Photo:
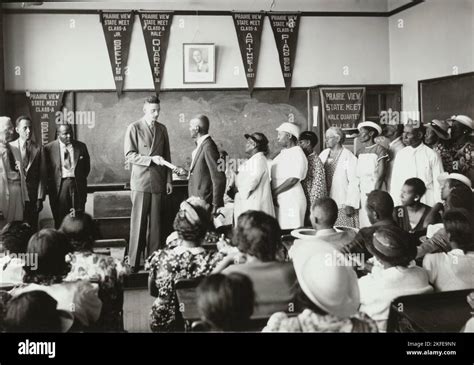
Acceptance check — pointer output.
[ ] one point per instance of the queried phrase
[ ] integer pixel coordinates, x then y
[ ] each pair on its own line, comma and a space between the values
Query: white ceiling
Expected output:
227, 5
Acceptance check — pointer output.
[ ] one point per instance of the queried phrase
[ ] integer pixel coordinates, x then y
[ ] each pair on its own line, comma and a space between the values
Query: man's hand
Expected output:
158, 160
169, 188
350, 211
39, 205
180, 171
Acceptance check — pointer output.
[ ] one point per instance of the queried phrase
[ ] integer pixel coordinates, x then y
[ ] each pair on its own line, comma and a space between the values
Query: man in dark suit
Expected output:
146, 146
32, 156
67, 166
206, 177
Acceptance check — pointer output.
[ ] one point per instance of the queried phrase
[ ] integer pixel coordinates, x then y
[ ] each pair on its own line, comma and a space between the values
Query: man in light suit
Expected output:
13, 192
67, 167
206, 177
33, 161
146, 146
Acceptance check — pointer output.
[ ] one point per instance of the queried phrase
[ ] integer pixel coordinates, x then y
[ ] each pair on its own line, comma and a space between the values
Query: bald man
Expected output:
13, 191
206, 177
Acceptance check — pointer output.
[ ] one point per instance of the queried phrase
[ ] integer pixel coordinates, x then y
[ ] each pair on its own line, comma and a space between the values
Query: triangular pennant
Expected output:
285, 30
156, 30
46, 113
249, 33
118, 34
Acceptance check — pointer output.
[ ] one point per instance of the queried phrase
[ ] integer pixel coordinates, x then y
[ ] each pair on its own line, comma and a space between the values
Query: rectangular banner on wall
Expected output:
249, 33
156, 30
44, 109
342, 106
285, 30
117, 28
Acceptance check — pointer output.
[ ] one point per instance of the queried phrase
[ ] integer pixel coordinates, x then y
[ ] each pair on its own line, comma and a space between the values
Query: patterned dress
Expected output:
458, 158
168, 266
314, 185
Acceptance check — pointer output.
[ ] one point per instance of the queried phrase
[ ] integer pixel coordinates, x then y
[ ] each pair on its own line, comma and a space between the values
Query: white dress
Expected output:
253, 184
290, 163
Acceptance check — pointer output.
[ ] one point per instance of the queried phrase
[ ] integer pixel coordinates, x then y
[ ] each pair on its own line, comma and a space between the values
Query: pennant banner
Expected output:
118, 33
249, 32
45, 110
285, 29
156, 31
343, 106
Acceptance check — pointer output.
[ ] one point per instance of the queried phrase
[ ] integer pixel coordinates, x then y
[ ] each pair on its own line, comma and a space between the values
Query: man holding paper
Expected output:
146, 150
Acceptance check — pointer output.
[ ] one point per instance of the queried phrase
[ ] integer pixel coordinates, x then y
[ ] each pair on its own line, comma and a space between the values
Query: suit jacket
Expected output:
205, 179
35, 172
52, 155
139, 147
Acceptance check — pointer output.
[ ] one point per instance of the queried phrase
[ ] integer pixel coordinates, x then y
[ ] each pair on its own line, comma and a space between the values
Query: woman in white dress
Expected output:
253, 180
341, 179
288, 169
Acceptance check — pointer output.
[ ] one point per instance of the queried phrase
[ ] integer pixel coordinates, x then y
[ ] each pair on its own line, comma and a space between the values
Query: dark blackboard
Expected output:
232, 114
445, 96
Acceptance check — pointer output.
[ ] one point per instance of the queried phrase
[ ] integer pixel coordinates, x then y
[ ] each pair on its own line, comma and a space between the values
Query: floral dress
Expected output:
166, 268
109, 274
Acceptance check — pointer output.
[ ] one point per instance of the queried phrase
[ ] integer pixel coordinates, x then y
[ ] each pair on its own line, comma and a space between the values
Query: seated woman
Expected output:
454, 270
46, 269
411, 215
225, 303
14, 238
36, 311
107, 271
186, 261
327, 299
394, 274
258, 236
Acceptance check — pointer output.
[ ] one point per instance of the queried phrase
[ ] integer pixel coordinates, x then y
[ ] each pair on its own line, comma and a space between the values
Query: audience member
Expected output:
454, 270
341, 178
394, 274
462, 149
225, 303
328, 297
186, 261
437, 137
257, 236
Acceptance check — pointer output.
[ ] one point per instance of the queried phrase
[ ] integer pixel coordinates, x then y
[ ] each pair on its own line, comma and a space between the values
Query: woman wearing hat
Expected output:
437, 137
462, 149
328, 296
288, 170
371, 165
186, 261
253, 180
394, 273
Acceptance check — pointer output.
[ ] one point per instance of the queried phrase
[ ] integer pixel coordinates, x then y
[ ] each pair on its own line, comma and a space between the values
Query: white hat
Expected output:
329, 283
290, 128
463, 119
370, 125
455, 176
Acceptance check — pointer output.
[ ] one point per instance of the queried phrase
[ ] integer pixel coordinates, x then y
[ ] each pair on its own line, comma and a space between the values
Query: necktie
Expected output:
67, 159
26, 155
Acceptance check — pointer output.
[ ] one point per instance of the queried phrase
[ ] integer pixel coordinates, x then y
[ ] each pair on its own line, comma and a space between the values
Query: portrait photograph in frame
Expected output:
199, 63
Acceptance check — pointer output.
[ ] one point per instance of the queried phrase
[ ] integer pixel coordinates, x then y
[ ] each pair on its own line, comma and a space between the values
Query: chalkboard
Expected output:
443, 97
232, 113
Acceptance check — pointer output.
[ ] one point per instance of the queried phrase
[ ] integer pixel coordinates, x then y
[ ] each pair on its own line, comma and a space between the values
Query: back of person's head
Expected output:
461, 197
14, 237
80, 230
193, 220
309, 136
458, 225
257, 234
379, 205
35, 311
226, 302
50, 248
392, 246
324, 212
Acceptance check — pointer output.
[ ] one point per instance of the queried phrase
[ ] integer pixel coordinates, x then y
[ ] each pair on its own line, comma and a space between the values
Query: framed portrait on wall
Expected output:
199, 63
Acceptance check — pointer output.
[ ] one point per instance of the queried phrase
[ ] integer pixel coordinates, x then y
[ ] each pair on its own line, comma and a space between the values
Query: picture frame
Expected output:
199, 60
